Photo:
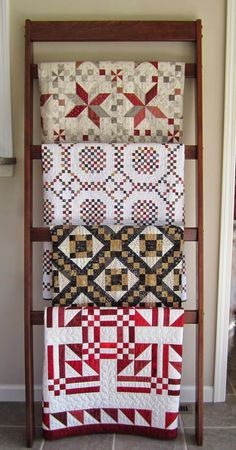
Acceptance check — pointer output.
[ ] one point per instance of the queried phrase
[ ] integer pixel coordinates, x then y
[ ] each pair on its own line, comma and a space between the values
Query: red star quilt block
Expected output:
104, 101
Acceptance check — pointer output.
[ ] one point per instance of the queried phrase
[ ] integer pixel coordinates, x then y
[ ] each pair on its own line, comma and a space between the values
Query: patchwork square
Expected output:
143, 268
112, 101
81, 246
150, 245
112, 370
116, 279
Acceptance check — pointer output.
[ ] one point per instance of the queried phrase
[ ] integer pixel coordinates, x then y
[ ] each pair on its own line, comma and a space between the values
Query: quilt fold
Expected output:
105, 101
112, 370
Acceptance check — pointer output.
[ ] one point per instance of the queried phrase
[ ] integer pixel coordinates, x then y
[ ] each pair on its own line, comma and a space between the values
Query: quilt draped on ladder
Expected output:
117, 266
112, 370
105, 101
113, 184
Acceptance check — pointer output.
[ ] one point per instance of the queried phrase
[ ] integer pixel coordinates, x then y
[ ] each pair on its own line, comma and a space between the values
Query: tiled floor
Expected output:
219, 430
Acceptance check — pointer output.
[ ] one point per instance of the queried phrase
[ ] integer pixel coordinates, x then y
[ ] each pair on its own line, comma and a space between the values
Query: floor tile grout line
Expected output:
214, 427
16, 426
42, 445
183, 432
113, 442
232, 386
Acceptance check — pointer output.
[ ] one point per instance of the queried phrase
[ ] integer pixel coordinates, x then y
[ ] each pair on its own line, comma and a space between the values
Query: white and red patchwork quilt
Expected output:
125, 184
111, 101
112, 370
113, 184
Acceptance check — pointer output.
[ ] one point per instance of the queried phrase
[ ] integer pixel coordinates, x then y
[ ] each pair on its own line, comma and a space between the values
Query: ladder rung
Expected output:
190, 317
42, 234
190, 70
190, 152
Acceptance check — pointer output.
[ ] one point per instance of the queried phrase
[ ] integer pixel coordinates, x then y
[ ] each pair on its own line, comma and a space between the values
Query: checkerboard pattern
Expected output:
113, 370
106, 101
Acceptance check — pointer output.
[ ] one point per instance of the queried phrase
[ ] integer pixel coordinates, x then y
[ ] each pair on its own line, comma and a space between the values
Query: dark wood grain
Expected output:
113, 31
200, 349
28, 260
190, 317
42, 234
190, 152
190, 71
119, 31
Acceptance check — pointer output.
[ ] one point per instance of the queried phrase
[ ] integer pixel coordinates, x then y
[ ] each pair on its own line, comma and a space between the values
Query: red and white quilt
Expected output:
112, 370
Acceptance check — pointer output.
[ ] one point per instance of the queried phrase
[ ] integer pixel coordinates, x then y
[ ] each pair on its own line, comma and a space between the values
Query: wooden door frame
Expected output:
227, 207
6, 146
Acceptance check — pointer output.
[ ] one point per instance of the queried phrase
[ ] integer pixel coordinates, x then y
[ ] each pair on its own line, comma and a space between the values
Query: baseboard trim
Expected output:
16, 393
188, 394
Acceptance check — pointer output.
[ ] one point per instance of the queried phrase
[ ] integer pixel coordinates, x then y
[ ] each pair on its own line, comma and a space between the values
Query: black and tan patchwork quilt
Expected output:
117, 266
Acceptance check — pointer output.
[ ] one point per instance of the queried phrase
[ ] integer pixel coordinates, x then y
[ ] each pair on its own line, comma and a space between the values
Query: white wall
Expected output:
212, 14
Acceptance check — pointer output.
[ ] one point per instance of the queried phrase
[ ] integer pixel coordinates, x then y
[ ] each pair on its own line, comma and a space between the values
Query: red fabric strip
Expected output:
50, 362
49, 317
113, 428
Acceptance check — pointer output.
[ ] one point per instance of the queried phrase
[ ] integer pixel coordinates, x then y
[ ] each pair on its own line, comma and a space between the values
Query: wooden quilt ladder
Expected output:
185, 31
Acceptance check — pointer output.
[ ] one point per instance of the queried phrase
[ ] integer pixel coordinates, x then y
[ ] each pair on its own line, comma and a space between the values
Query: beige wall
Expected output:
212, 14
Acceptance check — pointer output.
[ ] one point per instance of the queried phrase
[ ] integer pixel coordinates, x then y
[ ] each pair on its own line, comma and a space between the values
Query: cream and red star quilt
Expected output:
112, 370
111, 101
